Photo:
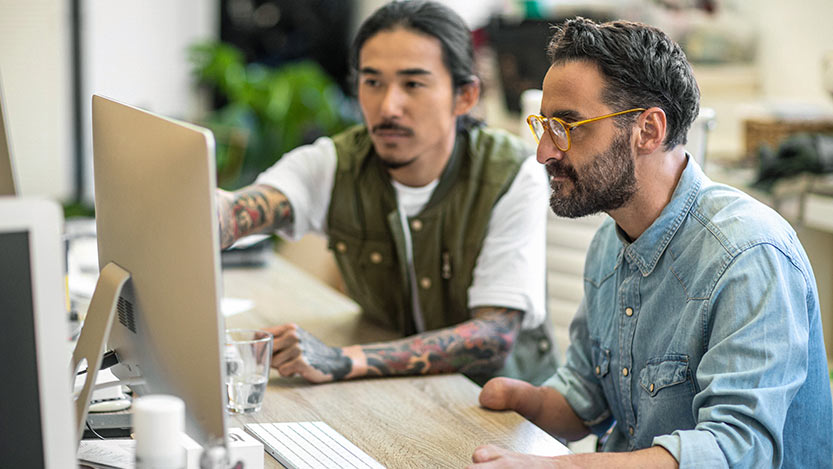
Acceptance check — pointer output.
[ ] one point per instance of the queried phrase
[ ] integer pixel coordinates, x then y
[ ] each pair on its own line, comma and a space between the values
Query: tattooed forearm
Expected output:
253, 209
328, 360
476, 346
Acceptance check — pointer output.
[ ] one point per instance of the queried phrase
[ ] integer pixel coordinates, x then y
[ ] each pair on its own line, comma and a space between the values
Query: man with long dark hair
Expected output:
698, 342
434, 219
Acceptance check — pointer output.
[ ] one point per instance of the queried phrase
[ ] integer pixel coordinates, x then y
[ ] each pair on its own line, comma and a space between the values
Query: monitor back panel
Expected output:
156, 218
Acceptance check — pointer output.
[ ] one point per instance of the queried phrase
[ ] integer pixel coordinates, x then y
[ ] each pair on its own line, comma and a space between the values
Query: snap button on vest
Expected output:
425, 283
375, 257
416, 225
543, 345
341, 247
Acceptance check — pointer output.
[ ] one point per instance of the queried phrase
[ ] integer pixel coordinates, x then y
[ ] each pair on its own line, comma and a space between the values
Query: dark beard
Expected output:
394, 164
390, 125
606, 183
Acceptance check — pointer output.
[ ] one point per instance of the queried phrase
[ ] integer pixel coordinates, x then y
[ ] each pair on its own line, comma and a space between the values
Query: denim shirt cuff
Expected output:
693, 449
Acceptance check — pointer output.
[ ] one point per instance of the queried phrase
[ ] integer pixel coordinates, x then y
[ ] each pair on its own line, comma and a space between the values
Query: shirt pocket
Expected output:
668, 376
664, 402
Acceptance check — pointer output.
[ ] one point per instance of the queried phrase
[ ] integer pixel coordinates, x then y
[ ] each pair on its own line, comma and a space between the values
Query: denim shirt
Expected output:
703, 336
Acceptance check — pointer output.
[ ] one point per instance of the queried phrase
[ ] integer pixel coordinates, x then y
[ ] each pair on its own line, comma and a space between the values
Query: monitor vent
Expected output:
125, 309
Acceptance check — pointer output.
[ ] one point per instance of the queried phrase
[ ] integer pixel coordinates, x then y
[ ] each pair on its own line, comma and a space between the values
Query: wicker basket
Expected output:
772, 132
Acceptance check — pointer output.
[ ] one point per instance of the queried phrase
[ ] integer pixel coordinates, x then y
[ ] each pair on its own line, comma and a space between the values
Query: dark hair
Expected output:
430, 18
641, 65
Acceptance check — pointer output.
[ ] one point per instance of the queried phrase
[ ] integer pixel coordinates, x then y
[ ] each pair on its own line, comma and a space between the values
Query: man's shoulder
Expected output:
737, 221
498, 145
352, 145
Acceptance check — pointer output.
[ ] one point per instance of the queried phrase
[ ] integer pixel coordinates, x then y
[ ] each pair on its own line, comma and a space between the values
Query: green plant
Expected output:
268, 111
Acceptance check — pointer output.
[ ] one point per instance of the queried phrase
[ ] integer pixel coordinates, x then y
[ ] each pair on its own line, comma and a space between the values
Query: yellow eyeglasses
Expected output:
560, 130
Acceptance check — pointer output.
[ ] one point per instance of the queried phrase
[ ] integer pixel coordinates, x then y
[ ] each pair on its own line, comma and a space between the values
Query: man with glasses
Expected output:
698, 342
435, 221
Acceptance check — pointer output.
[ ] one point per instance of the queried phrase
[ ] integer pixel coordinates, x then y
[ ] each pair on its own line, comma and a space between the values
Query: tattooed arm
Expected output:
250, 210
477, 346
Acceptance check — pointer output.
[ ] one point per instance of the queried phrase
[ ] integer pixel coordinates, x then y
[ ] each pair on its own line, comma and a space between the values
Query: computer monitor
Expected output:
156, 223
35, 399
8, 186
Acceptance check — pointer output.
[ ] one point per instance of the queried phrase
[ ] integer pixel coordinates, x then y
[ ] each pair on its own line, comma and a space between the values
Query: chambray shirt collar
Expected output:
646, 250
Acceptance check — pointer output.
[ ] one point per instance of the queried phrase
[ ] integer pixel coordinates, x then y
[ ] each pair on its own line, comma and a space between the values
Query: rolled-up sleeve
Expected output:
576, 381
756, 361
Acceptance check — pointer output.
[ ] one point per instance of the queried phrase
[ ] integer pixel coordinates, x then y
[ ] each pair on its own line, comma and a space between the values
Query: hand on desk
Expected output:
297, 352
493, 457
547, 408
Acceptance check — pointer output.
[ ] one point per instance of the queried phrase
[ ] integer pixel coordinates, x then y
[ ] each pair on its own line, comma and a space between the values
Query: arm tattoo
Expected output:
477, 346
254, 209
326, 359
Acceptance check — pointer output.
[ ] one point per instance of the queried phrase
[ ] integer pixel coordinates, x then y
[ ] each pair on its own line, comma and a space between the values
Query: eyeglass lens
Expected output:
557, 129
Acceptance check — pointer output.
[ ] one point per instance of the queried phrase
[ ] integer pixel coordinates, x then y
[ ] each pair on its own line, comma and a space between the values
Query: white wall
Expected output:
35, 76
132, 51
136, 52
793, 37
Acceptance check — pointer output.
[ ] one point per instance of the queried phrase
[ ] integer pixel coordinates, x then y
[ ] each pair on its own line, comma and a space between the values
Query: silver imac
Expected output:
158, 295
8, 185
38, 429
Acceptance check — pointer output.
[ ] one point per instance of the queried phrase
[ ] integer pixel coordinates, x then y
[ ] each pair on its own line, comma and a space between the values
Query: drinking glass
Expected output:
247, 355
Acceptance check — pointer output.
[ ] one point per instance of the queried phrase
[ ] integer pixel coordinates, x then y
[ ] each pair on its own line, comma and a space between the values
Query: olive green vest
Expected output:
366, 236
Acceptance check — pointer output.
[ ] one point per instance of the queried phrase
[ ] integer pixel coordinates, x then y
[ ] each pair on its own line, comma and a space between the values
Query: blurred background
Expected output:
242, 66
268, 75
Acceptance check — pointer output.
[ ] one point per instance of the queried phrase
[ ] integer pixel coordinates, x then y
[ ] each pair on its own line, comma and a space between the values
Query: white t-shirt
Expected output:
511, 268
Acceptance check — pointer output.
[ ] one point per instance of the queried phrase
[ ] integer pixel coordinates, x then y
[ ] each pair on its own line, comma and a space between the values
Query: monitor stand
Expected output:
94, 335
93, 341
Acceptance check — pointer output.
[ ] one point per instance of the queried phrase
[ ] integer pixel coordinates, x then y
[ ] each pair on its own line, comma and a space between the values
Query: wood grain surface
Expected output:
408, 422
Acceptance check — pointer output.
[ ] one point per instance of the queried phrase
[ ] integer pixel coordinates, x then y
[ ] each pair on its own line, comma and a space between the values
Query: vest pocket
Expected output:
370, 273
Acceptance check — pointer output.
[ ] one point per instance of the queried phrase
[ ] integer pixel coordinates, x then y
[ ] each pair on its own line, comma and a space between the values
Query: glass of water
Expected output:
247, 354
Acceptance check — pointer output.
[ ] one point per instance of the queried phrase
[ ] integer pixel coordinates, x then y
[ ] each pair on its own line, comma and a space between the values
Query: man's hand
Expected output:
542, 405
493, 457
296, 352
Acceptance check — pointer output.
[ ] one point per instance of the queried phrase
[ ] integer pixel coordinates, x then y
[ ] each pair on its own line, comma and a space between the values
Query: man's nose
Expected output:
392, 102
547, 150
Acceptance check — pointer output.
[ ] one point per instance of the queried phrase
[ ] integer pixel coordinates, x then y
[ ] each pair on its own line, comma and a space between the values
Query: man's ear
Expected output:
466, 97
651, 129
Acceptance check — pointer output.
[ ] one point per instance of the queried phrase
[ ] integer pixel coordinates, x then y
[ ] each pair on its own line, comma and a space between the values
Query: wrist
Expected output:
358, 361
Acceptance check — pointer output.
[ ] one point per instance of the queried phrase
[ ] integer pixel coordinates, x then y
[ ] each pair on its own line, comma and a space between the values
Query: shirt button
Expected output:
416, 224
651, 387
375, 258
630, 430
598, 370
341, 247
625, 371
425, 283
629, 311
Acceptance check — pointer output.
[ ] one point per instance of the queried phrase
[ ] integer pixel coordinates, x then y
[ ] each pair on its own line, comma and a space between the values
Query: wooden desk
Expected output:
409, 422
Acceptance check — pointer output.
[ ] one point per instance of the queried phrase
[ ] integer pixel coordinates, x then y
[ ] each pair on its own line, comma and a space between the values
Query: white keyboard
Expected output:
313, 445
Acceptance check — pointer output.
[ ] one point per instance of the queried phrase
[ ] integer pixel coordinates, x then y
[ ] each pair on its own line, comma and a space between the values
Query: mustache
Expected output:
559, 168
391, 125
